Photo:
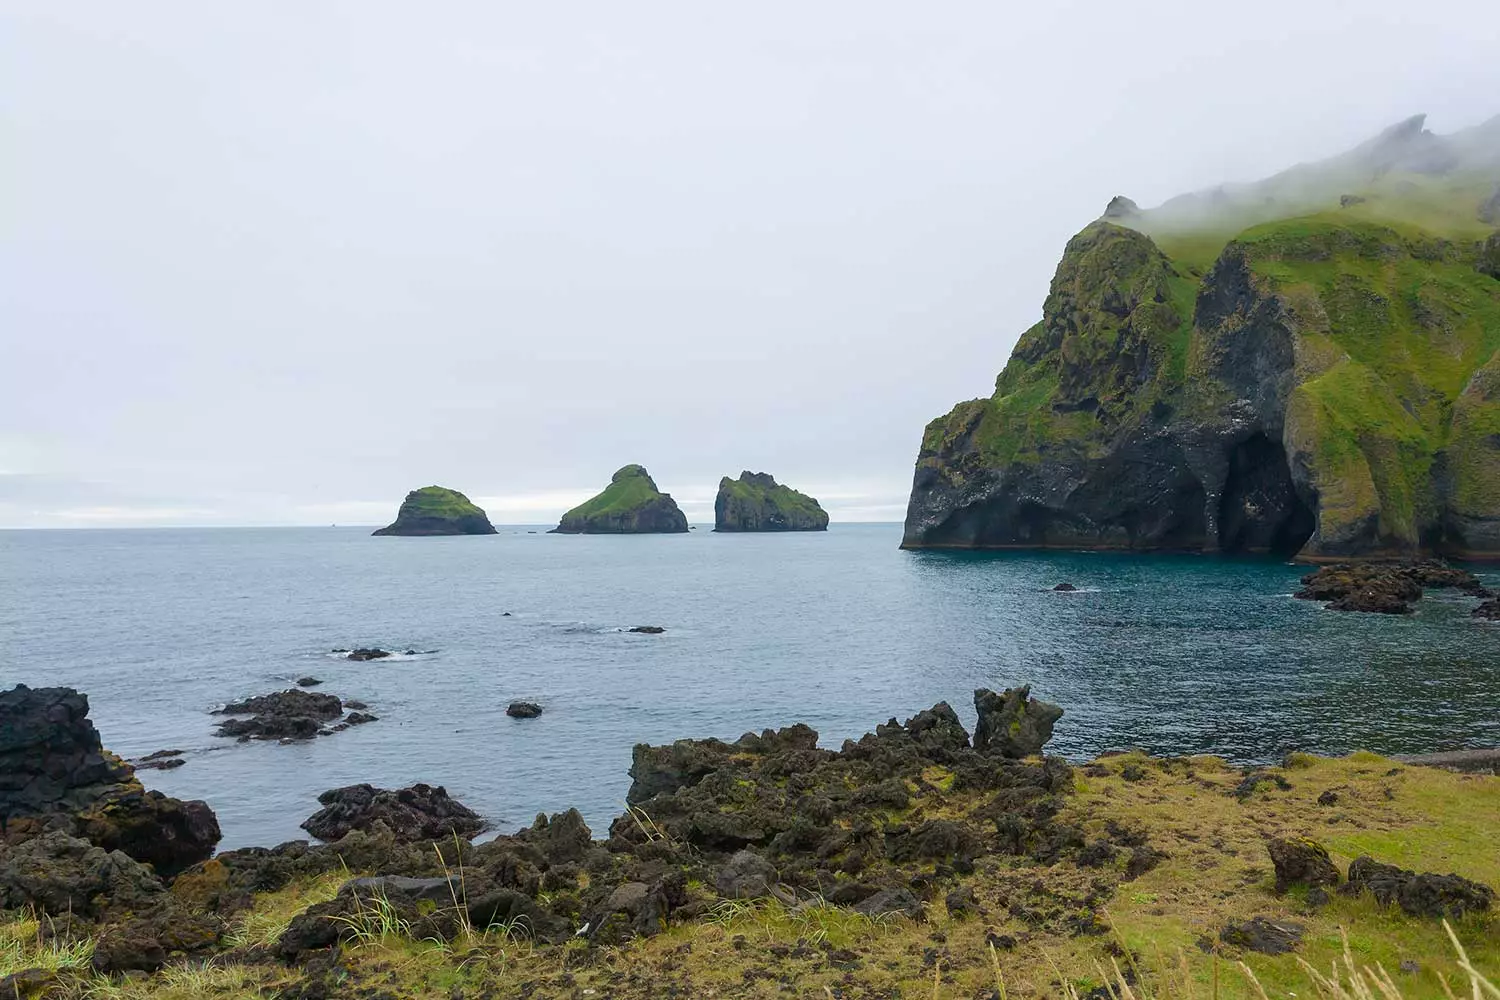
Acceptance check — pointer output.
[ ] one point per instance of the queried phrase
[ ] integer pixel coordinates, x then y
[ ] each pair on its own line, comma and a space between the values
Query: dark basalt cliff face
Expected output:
1326, 385
435, 510
757, 502
630, 504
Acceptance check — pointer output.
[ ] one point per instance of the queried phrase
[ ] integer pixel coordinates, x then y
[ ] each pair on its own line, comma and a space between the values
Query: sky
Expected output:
274, 263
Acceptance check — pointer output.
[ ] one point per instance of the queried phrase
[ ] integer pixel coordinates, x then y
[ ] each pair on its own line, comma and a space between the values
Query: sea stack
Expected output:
630, 505
436, 510
757, 502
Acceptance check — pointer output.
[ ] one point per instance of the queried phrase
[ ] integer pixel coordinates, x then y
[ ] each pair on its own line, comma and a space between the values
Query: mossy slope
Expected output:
630, 504
437, 510
1321, 383
757, 502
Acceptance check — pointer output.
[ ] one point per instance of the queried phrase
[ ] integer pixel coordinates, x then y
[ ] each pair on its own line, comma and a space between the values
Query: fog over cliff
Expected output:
265, 265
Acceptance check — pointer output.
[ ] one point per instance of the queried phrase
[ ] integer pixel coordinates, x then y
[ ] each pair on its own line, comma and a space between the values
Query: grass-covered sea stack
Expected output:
1307, 365
630, 504
757, 502
436, 510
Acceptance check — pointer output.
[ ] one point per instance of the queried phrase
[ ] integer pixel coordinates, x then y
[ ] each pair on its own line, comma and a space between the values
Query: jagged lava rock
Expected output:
437, 510
1248, 370
56, 776
1013, 724
756, 502
630, 504
421, 812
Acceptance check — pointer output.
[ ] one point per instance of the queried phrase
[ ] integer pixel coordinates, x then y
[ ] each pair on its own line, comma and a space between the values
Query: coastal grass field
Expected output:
1159, 936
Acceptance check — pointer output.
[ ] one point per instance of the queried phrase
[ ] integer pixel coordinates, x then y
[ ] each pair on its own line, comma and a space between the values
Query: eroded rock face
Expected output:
1274, 403
437, 510
756, 502
59, 874
56, 776
1013, 724
630, 504
421, 812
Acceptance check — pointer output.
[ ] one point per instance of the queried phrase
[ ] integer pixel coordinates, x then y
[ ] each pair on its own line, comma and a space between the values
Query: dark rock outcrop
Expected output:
630, 504
56, 776
293, 714
1386, 588
58, 874
756, 502
421, 812
523, 710
1301, 862
364, 655
436, 510
1264, 935
1013, 724
1423, 895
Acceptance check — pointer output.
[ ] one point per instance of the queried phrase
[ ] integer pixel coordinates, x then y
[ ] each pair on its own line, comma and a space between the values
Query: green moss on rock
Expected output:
630, 504
757, 502
436, 510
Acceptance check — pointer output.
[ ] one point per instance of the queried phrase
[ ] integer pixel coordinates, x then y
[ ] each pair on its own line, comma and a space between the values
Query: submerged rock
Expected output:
421, 812
646, 629
1064, 588
363, 655
630, 504
1013, 724
756, 502
436, 510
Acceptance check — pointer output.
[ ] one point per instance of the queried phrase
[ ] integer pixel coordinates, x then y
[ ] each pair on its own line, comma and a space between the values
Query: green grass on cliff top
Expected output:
627, 491
781, 494
438, 501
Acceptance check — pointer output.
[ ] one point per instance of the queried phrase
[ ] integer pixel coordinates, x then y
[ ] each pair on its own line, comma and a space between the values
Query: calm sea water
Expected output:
839, 630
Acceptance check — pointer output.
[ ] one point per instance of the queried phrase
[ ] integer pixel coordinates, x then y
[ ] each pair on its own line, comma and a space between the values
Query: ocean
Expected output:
841, 630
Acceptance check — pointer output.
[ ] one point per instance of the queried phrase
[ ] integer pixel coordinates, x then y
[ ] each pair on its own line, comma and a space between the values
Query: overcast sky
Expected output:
268, 263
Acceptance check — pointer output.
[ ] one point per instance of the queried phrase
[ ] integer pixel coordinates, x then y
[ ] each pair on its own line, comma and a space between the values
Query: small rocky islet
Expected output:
437, 510
757, 502
917, 847
630, 505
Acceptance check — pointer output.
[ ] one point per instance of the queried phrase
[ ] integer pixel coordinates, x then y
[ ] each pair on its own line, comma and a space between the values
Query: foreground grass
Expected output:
1159, 936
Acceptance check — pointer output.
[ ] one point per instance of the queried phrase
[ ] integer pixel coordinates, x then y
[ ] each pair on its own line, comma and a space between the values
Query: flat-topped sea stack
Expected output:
757, 502
630, 505
1307, 366
436, 510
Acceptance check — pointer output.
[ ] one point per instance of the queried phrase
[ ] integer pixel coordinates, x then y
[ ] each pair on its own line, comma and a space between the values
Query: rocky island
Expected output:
436, 510
631, 504
757, 502
1308, 365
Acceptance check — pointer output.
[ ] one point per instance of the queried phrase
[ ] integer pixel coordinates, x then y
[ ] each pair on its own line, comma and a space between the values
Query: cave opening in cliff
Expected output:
1260, 509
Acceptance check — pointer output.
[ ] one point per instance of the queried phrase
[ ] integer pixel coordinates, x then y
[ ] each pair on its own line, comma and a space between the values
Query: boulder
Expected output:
630, 504
562, 838
891, 902
59, 874
308, 682
1263, 935
1424, 895
1013, 724
55, 775
1301, 862
436, 510
757, 502
363, 655
421, 812
1064, 588
746, 876
523, 710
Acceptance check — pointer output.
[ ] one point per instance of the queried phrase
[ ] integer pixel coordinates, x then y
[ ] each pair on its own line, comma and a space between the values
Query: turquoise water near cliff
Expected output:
1176, 654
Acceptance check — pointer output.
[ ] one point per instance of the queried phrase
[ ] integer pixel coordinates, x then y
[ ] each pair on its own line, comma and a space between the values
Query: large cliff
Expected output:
757, 502
1309, 365
437, 510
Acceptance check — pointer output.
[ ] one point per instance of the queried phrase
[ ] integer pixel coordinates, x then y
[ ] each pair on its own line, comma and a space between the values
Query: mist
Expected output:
260, 266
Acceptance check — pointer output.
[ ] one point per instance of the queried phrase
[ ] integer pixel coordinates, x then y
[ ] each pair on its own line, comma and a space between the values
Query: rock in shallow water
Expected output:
523, 710
292, 714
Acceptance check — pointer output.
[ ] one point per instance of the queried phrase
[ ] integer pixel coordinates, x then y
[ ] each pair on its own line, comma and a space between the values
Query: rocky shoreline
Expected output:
915, 829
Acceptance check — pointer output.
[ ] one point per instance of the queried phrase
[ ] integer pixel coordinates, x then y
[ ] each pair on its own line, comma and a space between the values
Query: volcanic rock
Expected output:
436, 510
630, 504
1301, 862
291, 714
421, 812
1424, 895
756, 502
1013, 724
523, 710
